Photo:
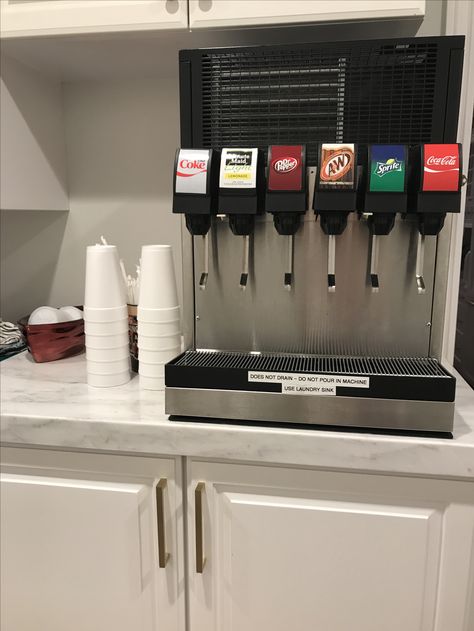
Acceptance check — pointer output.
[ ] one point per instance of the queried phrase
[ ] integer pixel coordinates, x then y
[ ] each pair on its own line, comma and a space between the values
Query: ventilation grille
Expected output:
350, 93
393, 366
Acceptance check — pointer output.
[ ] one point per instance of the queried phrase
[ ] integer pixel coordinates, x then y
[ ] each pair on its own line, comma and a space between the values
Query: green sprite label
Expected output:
387, 168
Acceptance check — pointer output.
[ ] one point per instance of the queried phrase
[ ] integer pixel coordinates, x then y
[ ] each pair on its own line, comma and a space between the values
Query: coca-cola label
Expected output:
285, 172
337, 167
238, 168
441, 168
191, 171
387, 168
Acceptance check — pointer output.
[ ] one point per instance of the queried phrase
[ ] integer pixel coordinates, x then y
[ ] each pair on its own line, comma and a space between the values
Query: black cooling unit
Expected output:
388, 91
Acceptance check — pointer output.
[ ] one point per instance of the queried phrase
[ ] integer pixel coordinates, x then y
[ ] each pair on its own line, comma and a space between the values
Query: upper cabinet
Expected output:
26, 18
228, 13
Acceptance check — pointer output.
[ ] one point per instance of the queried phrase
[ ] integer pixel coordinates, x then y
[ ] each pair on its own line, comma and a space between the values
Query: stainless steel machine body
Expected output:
356, 356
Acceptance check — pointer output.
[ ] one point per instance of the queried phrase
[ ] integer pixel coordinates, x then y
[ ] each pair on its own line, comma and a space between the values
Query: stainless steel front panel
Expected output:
353, 320
283, 408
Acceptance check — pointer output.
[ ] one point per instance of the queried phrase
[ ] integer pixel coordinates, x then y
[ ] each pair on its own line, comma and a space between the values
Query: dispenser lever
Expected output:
331, 263
374, 264
288, 279
420, 258
205, 262
245, 263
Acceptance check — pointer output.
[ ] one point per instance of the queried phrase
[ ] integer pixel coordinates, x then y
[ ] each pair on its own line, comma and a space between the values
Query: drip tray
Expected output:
406, 393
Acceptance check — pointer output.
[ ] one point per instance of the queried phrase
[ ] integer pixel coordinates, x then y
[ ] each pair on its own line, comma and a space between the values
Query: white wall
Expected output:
121, 138
32, 147
121, 135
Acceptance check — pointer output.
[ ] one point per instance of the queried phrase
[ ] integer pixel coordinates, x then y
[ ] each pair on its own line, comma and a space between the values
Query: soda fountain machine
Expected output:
385, 196
373, 125
195, 196
335, 196
286, 197
435, 191
240, 196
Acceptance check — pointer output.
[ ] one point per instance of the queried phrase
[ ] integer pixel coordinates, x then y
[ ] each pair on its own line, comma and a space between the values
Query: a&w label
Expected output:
191, 171
441, 168
238, 168
337, 169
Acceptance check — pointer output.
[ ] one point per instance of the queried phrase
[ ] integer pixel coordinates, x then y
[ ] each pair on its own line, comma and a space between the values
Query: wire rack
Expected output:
392, 366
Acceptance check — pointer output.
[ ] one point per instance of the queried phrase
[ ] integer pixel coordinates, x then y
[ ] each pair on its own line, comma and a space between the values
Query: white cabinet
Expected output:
311, 550
23, 18
98, 542
84, 542
228, 13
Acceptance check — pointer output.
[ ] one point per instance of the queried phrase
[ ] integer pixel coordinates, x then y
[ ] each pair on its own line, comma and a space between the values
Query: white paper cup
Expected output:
105, 315
107, 341
152, 383
107, 354
106, 328
151, 370
154, 357
159, 329
166, 343
104, 282
113, 367
108, 381
157, 278
158, 357
158, 315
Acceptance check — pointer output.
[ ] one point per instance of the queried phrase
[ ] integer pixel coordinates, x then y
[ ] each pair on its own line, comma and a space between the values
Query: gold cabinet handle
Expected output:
163, 556
200, 558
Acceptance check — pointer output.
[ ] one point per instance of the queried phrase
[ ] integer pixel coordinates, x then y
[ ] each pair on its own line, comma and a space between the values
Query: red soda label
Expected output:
441, 168
285, 169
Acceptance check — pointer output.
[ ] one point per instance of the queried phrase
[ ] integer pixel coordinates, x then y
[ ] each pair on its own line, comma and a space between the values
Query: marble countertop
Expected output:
51, 405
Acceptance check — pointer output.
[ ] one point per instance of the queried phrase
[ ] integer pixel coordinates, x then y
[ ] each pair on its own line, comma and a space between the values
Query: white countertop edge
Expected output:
365, 452
50, 406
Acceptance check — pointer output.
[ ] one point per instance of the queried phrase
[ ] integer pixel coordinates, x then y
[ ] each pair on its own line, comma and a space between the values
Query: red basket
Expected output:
49, 342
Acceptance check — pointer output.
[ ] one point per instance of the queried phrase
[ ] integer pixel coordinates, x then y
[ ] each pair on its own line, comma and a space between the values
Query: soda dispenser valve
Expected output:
286, 195
240, 196
386, 194
195, 195
435, 191
335, 195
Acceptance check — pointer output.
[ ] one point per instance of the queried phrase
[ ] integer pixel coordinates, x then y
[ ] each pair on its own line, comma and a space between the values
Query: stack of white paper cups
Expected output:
159, 325
105, 319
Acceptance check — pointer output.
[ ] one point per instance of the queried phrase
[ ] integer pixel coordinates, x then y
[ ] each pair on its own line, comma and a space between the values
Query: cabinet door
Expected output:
219, 13
294, 549
81, 549
22, 18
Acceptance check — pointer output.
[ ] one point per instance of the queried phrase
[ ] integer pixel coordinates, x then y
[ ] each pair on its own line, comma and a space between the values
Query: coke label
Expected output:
337, 168
285, 171
441, 167
191, 171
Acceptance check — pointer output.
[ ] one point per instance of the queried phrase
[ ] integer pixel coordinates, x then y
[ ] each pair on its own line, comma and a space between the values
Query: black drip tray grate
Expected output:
409, 378
383, 366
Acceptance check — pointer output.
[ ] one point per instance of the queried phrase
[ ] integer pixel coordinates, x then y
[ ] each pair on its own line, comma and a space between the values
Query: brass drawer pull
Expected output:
200, 558
163, 556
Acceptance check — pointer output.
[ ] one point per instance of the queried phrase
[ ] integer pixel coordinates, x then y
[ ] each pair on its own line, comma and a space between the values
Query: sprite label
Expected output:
387, 168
